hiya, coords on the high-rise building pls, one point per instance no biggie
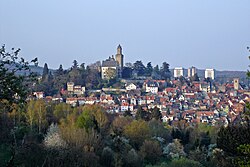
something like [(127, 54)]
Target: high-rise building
[(178, 71), (191, 71), (209, 73)]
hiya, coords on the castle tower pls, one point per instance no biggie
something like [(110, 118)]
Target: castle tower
[(119, 57), (236, 83)]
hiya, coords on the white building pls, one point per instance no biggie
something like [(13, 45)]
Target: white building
[(79, 90), (152, 87), (209, 73), (178, 71), (191, 71), (70, 87), (131, 86), (109, 68)]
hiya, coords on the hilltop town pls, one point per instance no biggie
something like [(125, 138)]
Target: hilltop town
[(132, 87)]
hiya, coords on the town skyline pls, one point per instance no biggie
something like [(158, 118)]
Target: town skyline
[(202, 34)]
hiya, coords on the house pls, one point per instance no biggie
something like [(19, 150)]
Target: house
[(131, 86), (126, 106), (78, 90), (152, 87), (133, 101), (70, 87), (141, 101), (90, 100), (150, 99), (170, 91)]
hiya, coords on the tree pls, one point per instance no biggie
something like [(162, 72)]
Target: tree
[(137, 132), (36, 114), (174, 149), (86, 121), (61, 111), (133, 159), (119, 124), (107, 157), (158, 131), (149, 69), (13, 86), (59, 79), (101, 119), (127, 72), (93, 78), (141, 114), (151, 151), (40, 114), (139, 67), (45, 73), (156, 114), (184, 162), (16, 79), (231, 137), (156, 73), (111, 73), (31, 115), (165, 72), (53, 139), (75, 64)]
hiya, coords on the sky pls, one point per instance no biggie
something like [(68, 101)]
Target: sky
[(183, 33)]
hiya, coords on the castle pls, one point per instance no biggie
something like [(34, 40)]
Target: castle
[(112, 67)]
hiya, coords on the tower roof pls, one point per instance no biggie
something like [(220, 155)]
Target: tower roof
[(119, 46)]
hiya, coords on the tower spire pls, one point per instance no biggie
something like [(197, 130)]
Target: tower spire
[(119, 49)]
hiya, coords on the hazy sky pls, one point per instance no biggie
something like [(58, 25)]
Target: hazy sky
[(200, 33)]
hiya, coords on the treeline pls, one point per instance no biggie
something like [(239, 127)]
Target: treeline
[(49, 134), (90, 76)]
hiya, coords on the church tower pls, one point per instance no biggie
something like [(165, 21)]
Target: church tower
[(119, 57)]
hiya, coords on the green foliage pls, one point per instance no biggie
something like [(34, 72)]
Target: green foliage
[(184, 162), (61, 111), (86, 120), (36, 114), (133, 159), (139, 68), (231, 137), (119, 124), (142, 114), (149, 69), (107, 157), (127, 72), (156, 73), (244, 159), (137, 132), (165, 72), (157, 129), (156, 114), (13, 86), (150, 151), (5, 154)]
